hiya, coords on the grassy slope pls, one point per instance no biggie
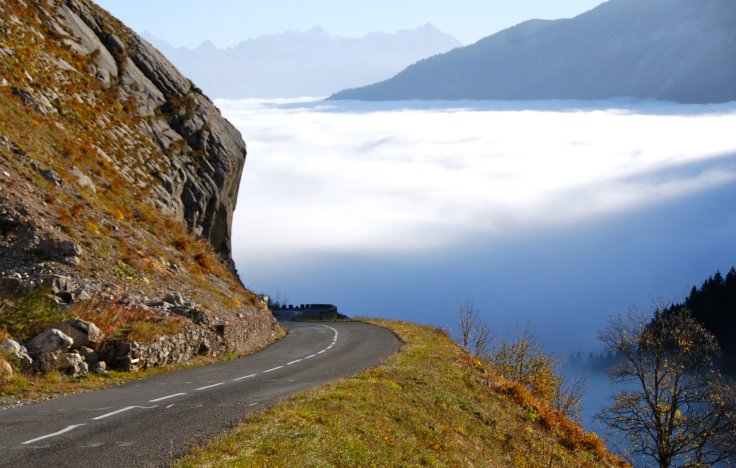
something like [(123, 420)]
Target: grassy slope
[(431, 404)]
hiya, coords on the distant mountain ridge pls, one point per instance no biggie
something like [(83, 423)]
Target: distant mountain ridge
[(311, 63), (678, 50)]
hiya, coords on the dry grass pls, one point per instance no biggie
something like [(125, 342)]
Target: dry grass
[(431, 404), (132, 322)]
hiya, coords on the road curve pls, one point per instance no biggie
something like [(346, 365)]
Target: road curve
[(150, 422)]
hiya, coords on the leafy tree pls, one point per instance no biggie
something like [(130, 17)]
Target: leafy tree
[(675, 406)]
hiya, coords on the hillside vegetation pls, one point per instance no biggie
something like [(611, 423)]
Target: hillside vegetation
[(431, 404)]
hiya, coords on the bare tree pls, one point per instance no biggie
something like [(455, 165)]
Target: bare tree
[(474, 335), (676, 408), (568, 397)]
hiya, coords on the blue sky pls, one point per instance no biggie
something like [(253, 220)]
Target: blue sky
[(227, 22)]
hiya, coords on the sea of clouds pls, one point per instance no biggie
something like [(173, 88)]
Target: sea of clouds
[(553, 213)]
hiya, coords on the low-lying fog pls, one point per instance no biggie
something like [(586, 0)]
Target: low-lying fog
[(556, 214)]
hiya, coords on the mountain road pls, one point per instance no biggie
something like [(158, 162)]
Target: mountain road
[(153, 421)]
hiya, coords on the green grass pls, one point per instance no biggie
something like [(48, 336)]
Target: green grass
[(430, 404)]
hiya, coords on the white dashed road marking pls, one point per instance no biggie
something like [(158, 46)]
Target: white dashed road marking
[(209, 386), (63, 431), (156, 400), (166, 397), (244, 377), (127, 408)]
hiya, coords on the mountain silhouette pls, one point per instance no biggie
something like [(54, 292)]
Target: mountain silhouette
[(311, 63), (678, 50)]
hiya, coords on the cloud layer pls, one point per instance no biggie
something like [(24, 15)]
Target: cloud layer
[(323, 178)]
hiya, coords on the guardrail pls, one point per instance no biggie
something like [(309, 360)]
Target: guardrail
[(315, 311)]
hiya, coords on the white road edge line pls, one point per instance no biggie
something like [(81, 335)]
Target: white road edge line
[(166, 397), (293, 362), (310, 356), (244, 377), (209, 386), (271, 370), (322, 351), (63, 431)]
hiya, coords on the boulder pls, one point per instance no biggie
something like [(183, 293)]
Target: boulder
[(84, 179), (82, 332), (60, 285), (59, 248), (17, 352), (71, 363), (90, 356), (52, 176), (11, 285), (174, 299), (51, 341), (10, 347), (6, 372), (192, 313), (45, 362), (121, 355), (57, 283)]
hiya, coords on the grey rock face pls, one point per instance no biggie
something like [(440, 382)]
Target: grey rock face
[(199, 182)]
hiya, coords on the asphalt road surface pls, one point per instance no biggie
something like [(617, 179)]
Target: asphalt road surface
[(153, 421)]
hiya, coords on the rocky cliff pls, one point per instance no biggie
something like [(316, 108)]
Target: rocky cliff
[(199, 182), (118, 182)]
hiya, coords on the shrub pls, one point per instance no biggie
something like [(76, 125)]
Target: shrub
[(131, 322), (26, 315), (204, 262), (110, 317), (149, 331)]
